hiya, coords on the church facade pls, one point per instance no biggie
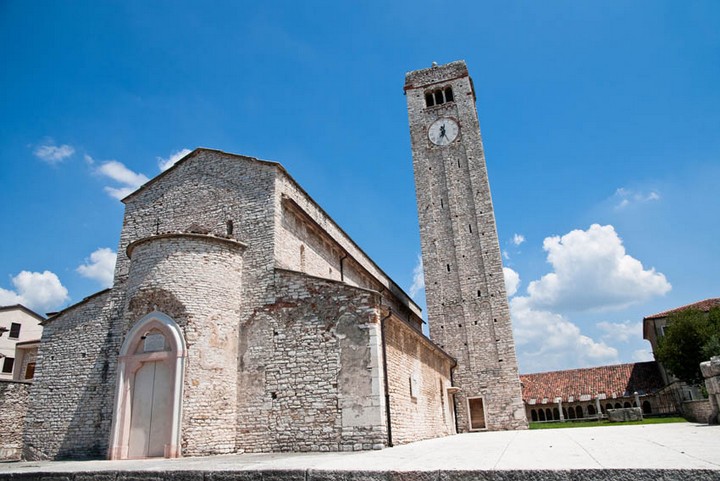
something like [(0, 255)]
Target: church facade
[(242, 318)]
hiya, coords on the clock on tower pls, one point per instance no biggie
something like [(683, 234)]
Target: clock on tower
[(464, 286)]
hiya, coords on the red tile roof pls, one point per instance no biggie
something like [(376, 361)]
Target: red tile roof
[(704, 306), (618, 380)]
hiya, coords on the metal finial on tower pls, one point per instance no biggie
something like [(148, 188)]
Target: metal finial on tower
[(434, 64)]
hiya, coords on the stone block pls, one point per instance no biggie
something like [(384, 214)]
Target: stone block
[(624, 414), (711, 368)]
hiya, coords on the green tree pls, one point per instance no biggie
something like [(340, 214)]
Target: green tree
[(691, 337)]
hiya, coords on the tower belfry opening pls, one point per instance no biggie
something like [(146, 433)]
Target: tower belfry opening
[(445, 134)]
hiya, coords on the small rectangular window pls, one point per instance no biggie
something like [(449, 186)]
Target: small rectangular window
[(14, 330), (8, 363), (30, 370)]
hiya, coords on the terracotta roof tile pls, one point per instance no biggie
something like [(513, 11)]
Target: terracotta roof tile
[(704, 306), (618, 380)]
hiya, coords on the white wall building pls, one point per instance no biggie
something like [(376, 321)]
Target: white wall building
[(17, 324)]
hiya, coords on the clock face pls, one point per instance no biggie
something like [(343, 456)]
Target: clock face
[(443, 131)]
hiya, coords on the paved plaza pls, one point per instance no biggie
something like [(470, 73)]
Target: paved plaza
[(679, 446)]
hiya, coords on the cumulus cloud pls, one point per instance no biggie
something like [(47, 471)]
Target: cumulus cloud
[(38, 291), (418, 283), (100, 266), (129, 181), (620, 331), (53, 154), (548, 341), (624, 197), (591, 271), (518, 239), (166, 163), (512, 281)]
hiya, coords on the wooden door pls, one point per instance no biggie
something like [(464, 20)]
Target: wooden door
[(151, 410)]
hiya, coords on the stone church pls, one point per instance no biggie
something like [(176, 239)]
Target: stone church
[(243, 318)]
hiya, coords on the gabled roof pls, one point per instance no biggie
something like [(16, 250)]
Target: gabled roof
[(613, 381), (703, 306), (23, 308)]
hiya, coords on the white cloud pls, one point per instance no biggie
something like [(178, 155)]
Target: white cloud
[(547, 341), (642, 355), (418, 278), (518, 239), (100, 266), (53, 154), (624, 197), (505, 255), (620, 331), (38, 291), (512, 281), (165, 164), (593, 272), (118, 172)]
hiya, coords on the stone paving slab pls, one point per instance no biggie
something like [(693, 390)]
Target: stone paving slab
[(647, 452)]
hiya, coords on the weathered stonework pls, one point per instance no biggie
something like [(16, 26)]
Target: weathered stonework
[(277, 314), (69, 412), (464, 285), (419, 378), (711, 372), (13, 407)]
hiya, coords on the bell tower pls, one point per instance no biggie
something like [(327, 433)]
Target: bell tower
[(467, 304)]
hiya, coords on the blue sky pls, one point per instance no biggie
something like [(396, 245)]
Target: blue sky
[(600, 122)]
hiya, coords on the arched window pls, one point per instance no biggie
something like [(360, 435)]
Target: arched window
[(618, 406), (556, 414), (626, 404), (646, 407), (579, 412), (591, 410), (571, 412), (565, 413), (151, 366), (439, 96), (541, 415), (533, 415), (548, 414), (608, 406)]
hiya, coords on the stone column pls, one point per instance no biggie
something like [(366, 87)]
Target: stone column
[(711, 371), (558, 400), (637, 399), (598, 409)]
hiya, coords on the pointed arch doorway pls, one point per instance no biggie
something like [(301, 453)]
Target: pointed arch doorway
[(147, 413)]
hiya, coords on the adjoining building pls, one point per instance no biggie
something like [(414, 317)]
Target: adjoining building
[(20, 331), (19, 327), (688, 400), (591, 392)]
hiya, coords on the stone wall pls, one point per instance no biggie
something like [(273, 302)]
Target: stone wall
[(70, 407), (310, 370), (711, 372), (418, 379), (697, 411), (197, 280), (308, 240), (13, 408)]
